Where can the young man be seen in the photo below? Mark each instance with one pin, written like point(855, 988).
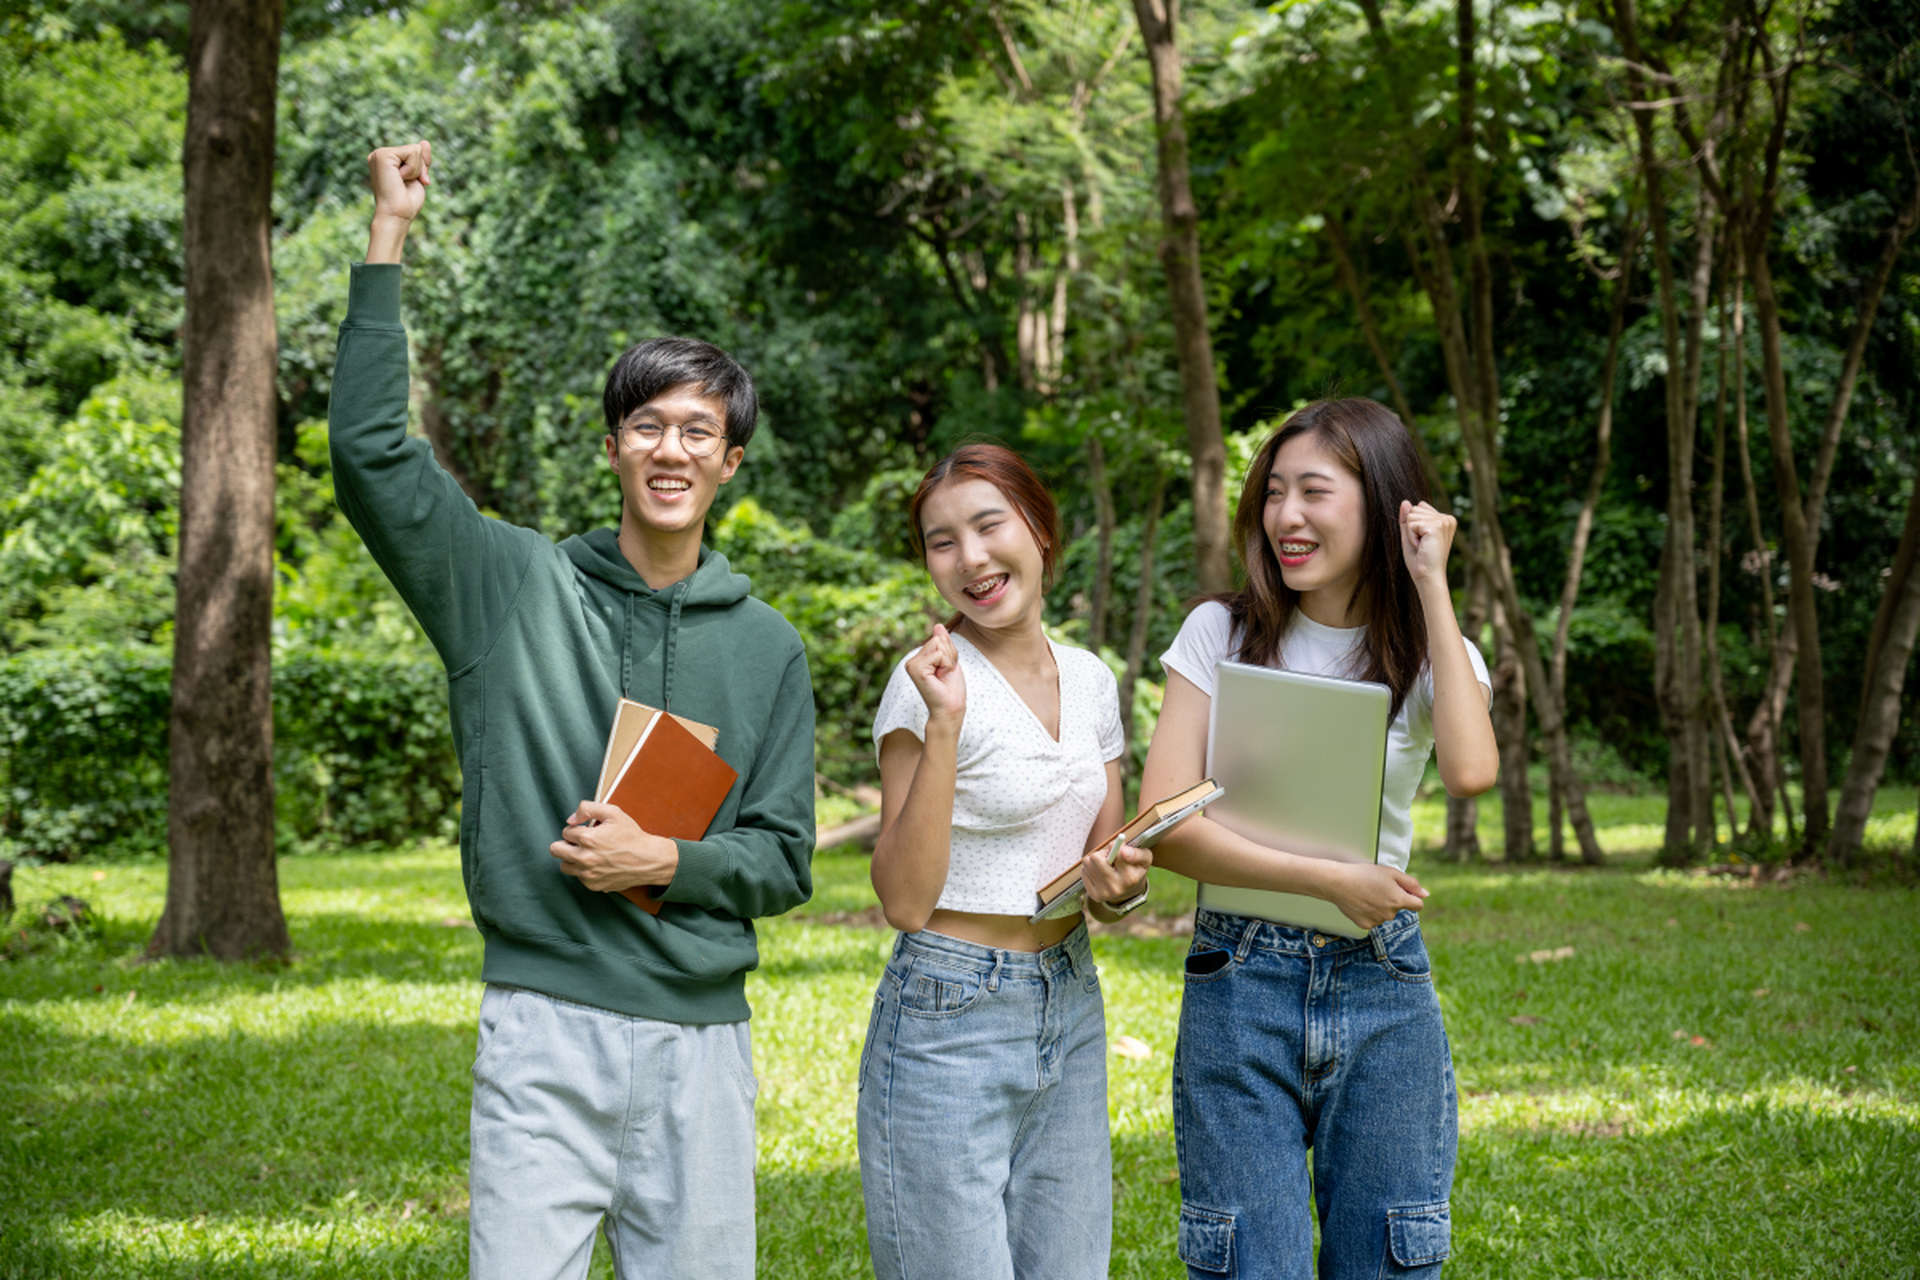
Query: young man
point(614, 1074)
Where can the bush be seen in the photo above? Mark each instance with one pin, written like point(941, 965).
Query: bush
point(362, 752)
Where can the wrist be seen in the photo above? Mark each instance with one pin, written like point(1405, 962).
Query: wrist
point(945, 725)
point(1435, 595)
point(386, 237)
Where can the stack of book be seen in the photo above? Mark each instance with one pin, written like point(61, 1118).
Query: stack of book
point(661, 771)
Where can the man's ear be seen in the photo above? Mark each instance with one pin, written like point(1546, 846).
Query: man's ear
point(733, 457)
point(613, 452)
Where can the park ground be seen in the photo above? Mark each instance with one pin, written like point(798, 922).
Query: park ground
point(1661, 1073)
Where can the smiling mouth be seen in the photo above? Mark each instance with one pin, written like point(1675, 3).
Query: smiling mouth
point(1293, 551)
point(986, 588)
point(669, 484)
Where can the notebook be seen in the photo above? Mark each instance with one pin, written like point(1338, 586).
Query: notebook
point(1062, 895)
point(1303, 759)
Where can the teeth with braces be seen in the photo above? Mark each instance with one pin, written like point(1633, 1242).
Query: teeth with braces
point(981, 589)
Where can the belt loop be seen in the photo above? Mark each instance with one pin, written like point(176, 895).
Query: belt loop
point(1247, 936)
point(1379, 944)
point(993, 978)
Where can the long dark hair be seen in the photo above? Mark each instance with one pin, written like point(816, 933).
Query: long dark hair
point(1371, 442)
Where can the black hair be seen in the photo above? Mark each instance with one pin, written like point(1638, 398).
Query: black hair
point(647, 369)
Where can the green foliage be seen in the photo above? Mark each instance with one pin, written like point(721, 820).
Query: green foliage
point(362, 751)
point(86, 547)
point(83, 751)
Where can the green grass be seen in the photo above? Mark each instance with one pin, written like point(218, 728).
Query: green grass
point(309, 1119)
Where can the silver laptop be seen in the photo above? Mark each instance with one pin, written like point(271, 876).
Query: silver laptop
point(1302, 759)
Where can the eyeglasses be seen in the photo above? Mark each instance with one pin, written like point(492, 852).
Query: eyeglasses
point(699, 439)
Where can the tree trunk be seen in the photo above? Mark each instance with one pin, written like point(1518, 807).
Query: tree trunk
point(1472, 370)
point(1102, 486)
point(1799, 540)
point(1142, 616)
point(223, 896)
point(1764, 732)
point(1463, 813)
point(1577, 553)
point(1510, 731)
point(1726, 748)
point(1886, 679)
point(1180, 256)
point(1678, 683)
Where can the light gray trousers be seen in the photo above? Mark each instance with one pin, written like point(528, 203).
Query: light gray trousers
point(582, 1114)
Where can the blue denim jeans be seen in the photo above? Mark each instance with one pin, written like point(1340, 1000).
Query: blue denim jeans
point(1291, 1040)
point(983, 1114)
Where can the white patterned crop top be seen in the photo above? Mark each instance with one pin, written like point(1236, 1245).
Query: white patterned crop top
point(1023, 804)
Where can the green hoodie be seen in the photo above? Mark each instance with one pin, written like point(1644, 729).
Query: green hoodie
point(539, 642)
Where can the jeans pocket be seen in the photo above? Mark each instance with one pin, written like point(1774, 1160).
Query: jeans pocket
point(928, 991)
point(873, 1030)
point(1419, 1236)
point(1405, 957)
point(1206, 1239)
point(1206, 962)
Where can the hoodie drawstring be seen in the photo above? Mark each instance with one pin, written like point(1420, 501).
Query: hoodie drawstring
point(673, 634)
point(626, 652)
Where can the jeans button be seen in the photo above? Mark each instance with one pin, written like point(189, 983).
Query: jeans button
point(1319, 939)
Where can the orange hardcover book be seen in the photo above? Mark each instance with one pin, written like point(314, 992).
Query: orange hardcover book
point(669, 781)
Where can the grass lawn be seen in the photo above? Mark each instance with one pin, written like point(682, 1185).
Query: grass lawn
point(1719, 1080)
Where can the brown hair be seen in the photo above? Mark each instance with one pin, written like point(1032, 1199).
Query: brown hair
point(1369, 440)
point(1008, 472)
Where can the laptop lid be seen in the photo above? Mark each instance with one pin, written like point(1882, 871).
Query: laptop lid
point(1302, 759)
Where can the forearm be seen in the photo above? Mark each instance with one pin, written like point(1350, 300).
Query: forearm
point(1201, 849)
point(910, 859)
point(1465, 751)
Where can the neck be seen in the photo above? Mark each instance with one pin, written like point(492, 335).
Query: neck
point(1335, 605)
point(1024, 644)
point(661, 558)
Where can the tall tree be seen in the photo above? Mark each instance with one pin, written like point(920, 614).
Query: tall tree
point(1180, 256)
point(1894, 629)
point(223, 895)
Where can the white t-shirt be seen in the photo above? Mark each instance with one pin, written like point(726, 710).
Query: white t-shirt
point(1206, 638)
point(1023, 804)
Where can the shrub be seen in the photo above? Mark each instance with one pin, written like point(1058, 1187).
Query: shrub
point(362, 753)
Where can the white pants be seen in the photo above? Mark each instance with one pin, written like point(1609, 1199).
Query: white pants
point(582, 1114)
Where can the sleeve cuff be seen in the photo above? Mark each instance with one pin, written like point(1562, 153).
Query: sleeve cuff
point(698, 877)
point(373, 296)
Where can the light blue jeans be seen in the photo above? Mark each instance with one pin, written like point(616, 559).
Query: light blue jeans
point(583, 1114)
point(983, 1114)
point(1290, 1040)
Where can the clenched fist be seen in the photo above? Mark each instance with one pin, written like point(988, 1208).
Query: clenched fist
point(399, 176)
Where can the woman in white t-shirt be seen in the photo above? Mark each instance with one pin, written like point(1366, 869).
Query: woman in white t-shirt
point(1291, 1039)
point(983, 1084)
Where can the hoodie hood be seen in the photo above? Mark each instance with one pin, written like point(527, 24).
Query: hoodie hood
point(713, 583)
